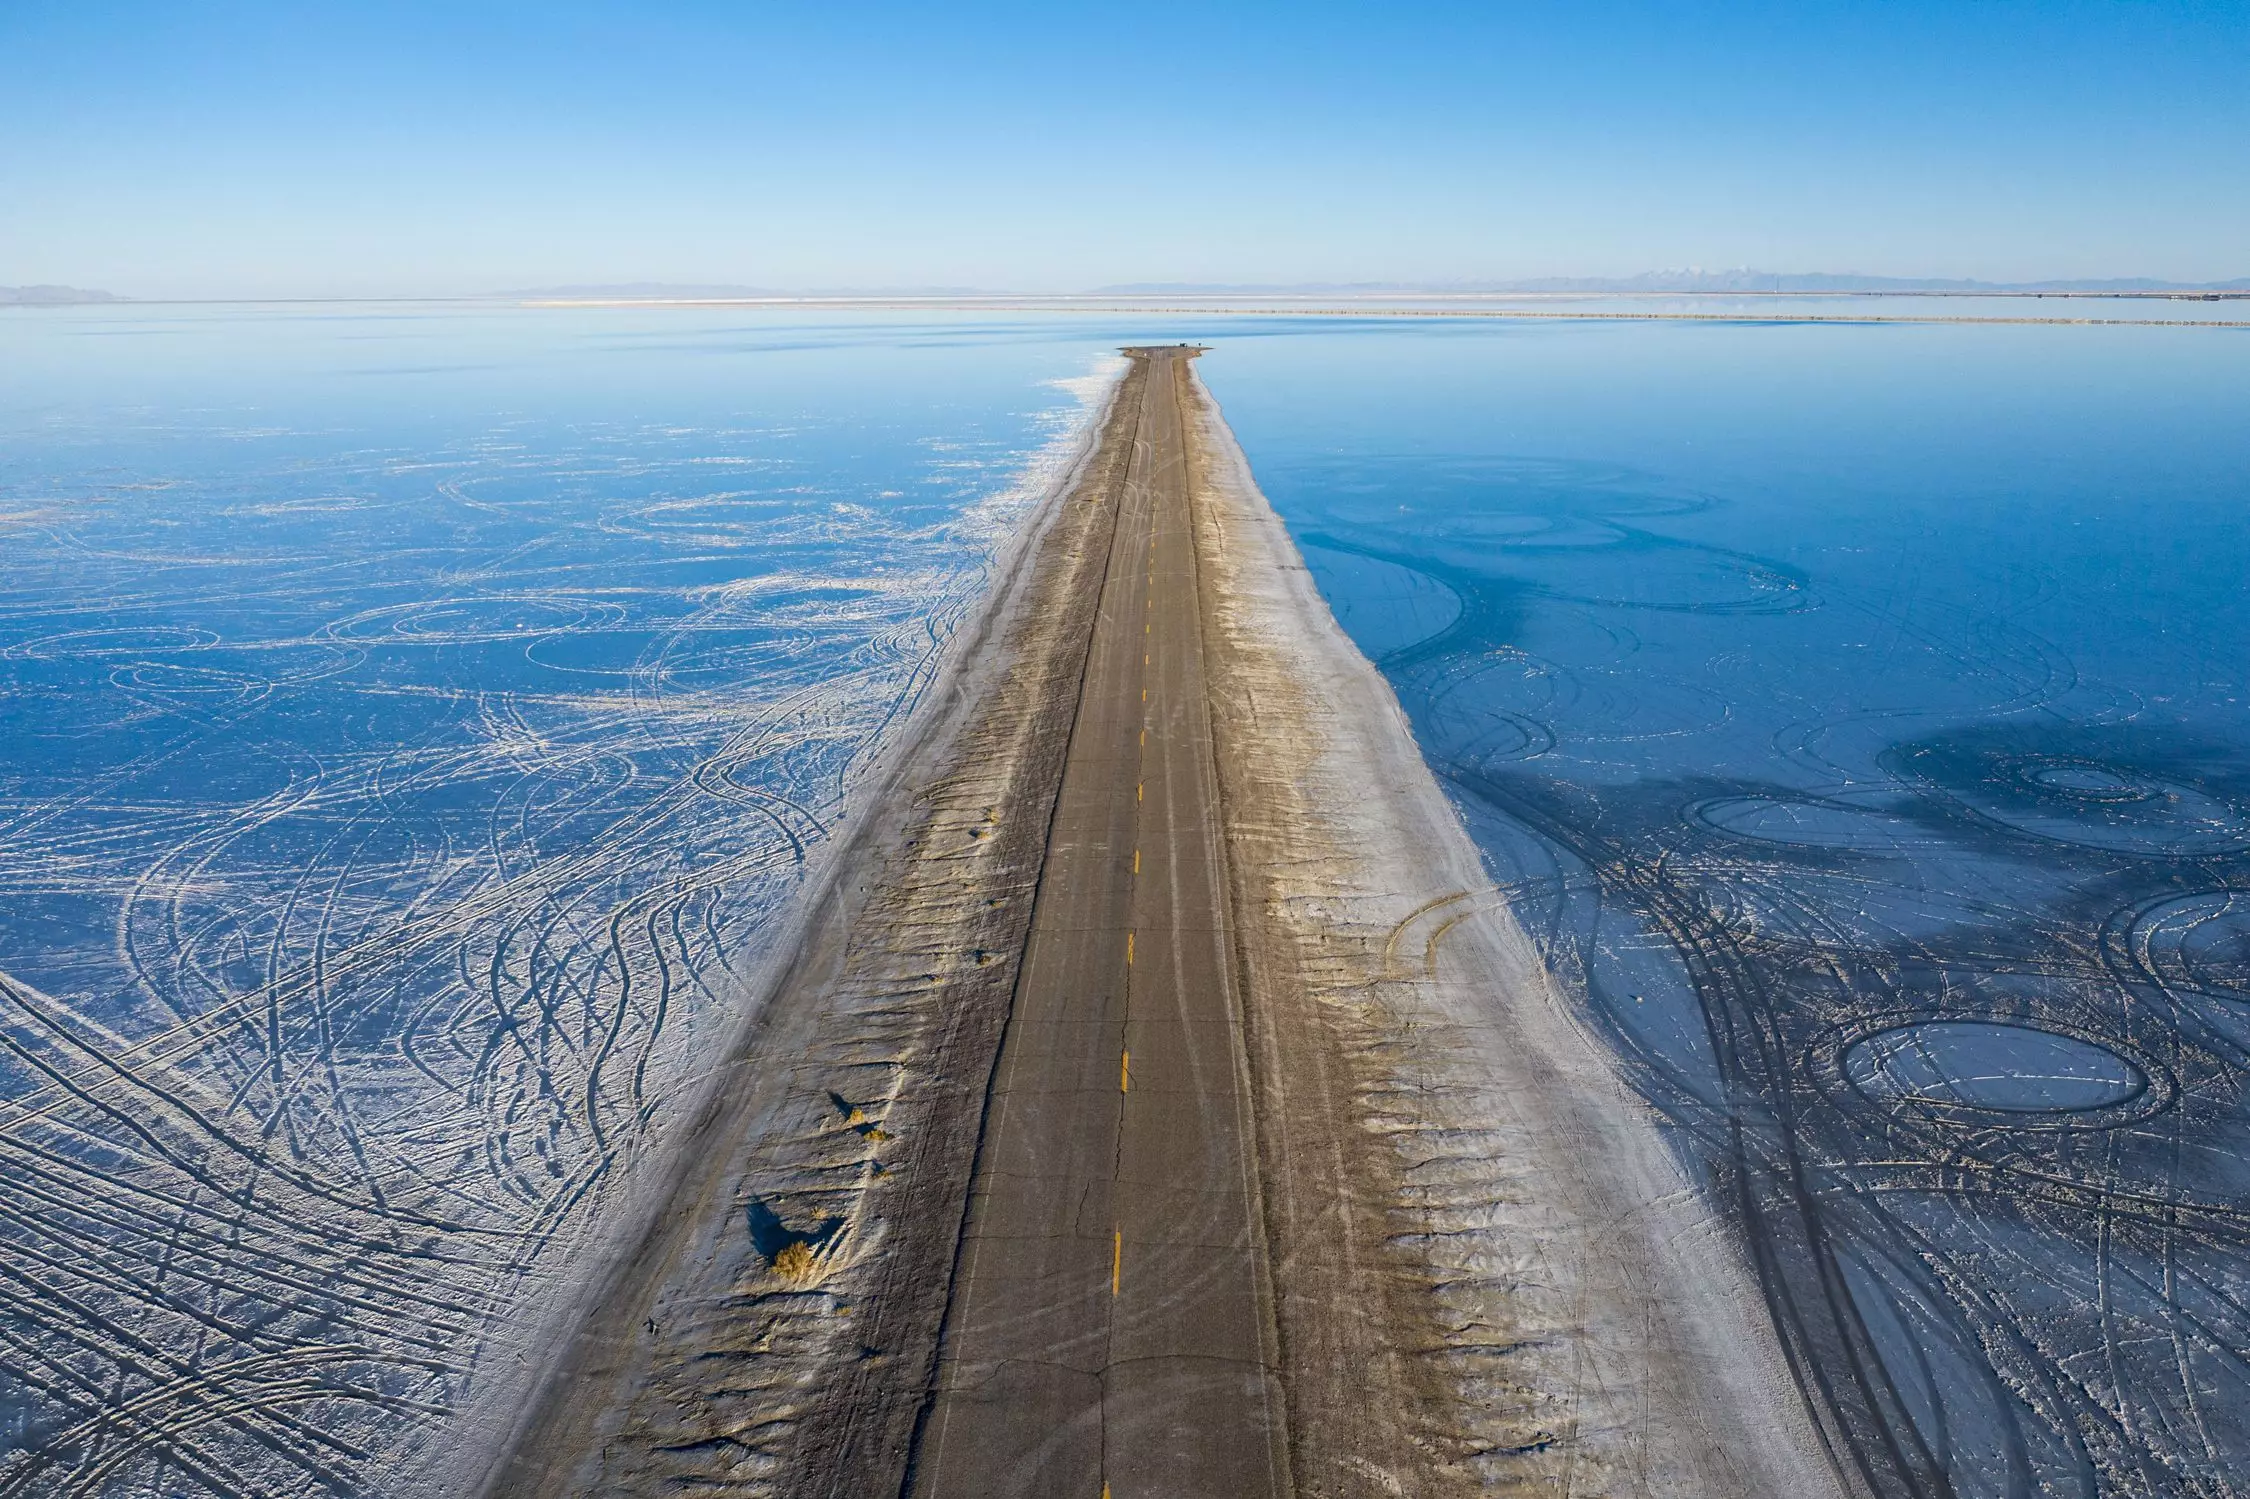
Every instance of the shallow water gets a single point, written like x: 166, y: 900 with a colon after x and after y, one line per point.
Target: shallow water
x: 417, y: 722
x: 1859, y: 717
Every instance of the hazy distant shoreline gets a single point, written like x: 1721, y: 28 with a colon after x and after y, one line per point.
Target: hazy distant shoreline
x: 1729, y: 284
x: 1426, y: 308
x: 1743, y: 307
x: 54, y: 296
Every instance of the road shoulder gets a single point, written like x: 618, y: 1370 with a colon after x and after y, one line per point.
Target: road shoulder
x: 1492, y: 1276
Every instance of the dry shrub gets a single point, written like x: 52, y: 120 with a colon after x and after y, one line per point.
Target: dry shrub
x: 796, y: 1263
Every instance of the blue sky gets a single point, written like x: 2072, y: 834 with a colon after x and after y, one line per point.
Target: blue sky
x: 301, y: 148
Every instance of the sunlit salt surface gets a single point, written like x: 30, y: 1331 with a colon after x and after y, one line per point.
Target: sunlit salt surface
x: 417, y: 724
x: 1860, y: 716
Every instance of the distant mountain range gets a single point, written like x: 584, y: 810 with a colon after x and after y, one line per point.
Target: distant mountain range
x: 52, y: 296
x: 1742, y: 281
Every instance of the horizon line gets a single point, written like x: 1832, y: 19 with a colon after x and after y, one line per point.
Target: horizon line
x: 1690, y: 282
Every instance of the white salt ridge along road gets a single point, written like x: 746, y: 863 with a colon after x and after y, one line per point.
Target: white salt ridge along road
x: 1595, y: 1326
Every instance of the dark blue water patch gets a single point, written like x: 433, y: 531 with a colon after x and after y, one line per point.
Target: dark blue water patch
x: 1859, y: 721
x: 2197, y: 944
x: 1945, y: 1393
x: 1984, y: 1066
x: 1835, y: 822
x: 1386, y: 607
x: 1664, y: 576
x: 2127, y: 789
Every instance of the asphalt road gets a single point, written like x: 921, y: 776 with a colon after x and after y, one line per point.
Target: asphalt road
x: 1110, y: 1325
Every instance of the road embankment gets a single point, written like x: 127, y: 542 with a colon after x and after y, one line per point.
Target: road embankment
x: 1491, y: 1274
x: 773, y: 1329
x: 1162, y: 1102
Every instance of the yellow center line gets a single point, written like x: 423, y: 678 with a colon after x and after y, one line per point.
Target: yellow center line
x: 1136, y: 861
x: 1117, y: 1262
x: 1128, y: 947
x: 1125, y: 1072
x: 1139, y: 789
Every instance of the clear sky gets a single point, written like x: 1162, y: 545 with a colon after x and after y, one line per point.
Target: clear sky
x: 296, y: 147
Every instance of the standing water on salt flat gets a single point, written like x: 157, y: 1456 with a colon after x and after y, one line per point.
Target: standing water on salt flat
x: 417, y: 722
x: 1860, y: 718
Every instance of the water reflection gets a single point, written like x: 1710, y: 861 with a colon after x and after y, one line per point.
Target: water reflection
x: 1863, y: 734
